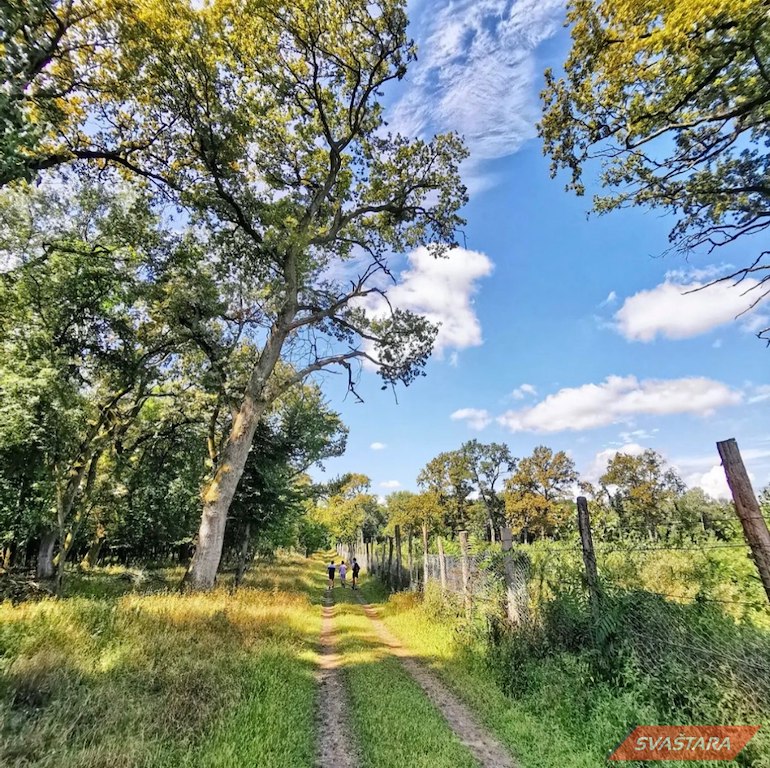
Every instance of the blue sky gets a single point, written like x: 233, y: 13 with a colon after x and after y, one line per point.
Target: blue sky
x: 557, y: 328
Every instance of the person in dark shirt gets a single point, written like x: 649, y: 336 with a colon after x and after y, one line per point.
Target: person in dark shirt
x: 331, y: 570
x: 356, y: 569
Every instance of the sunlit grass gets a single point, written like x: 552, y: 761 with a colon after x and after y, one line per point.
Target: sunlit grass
x: 392, y: 719
x: 536, y: 732
x: 220, y: 679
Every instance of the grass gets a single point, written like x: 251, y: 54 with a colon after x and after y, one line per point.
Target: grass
x: 535, y: 735
x: 392, y: 719
x: 161, y: 679
x: 561, y: 716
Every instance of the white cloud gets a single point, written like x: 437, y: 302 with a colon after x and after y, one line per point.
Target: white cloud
x: 668, y: 310
x: 476, y: 418
x: 477, y: 74
x: 761, y: 393
x: 378, y: 446
x: 612, y: 297
x: 390, y: 484
x: 713, y: 482
x: 637, y: 434
x: 442, y: 290
x: 616, y: 400
x: 521, y: 392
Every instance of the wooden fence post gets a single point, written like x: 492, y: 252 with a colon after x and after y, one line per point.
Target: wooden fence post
x: 467, y: 599
x: 425, y: 575
x: 397, y: 581
x: 746, y: 505
x: 368, y: 558
x: 517, y: 600
x: 589, y: 558
x: 441, y: 564
x: 390, y: 561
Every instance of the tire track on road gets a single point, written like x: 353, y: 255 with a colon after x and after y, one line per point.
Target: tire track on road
x: 485, y: 747
x: 335, y: 745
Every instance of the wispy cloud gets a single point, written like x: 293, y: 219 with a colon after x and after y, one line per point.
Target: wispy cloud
x: 378, y: 446
x: 390, y: 484
x: 477, y: 74
x: 523, y: 391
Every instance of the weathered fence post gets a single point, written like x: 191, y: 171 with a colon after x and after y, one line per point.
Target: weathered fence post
x: 441, y: 564
x: 517, y: 599
x: 467, y: 599
x: 398, y: 557
x: 390, y: 561
x: 746, y: 505
x: 410, y: 556
x: 589, y: 558
x: 425, y: 569
x: 382, y: 560
x: 368, y: 557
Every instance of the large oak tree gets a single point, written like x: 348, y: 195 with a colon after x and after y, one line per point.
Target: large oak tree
x: 262, y: 122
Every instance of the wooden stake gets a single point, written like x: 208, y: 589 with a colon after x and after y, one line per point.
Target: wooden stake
x: 398, y: 557
x: 746, y: 505
x: 441, y: 563
x: 466, y: 575
x: 589, y: 558
x: 517, y: 602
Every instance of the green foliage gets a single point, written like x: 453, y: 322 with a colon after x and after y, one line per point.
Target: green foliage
x: 671, y: 96
x: 645, y: 491
x: 537, y: 492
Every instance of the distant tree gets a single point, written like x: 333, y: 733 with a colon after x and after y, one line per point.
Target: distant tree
x: 536, y: 492
x: 448, y: 476
x: 349, y: 508
x: 672, y: 97
x: 489, y: 464
x: 642, y: 490
x: 697, y: 515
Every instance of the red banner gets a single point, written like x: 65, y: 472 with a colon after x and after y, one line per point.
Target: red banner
x: 685, y: 742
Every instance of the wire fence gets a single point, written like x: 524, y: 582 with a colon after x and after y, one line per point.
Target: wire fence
x: 687, y: 611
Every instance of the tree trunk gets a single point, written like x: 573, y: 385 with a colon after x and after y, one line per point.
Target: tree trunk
x: 10, y: 550
x: 410, y: 556
x: 219, y: 495
x: 92, y: 556
x: 45, y: 568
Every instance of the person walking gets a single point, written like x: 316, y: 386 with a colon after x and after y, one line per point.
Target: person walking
x: 356, y: 569
x: 331, y: 569
x: 343, y: 573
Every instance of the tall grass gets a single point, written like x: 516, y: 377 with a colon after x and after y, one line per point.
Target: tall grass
x: 160, y: 679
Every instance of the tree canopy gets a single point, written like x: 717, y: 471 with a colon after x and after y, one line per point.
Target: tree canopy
x: 672, y: 98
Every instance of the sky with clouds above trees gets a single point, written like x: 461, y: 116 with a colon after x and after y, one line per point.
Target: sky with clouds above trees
x: 580, y: 332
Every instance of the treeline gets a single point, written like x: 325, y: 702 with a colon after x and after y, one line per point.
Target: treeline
x: 481, y: 487
x: 119, y: 369
x: 199, y: 208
